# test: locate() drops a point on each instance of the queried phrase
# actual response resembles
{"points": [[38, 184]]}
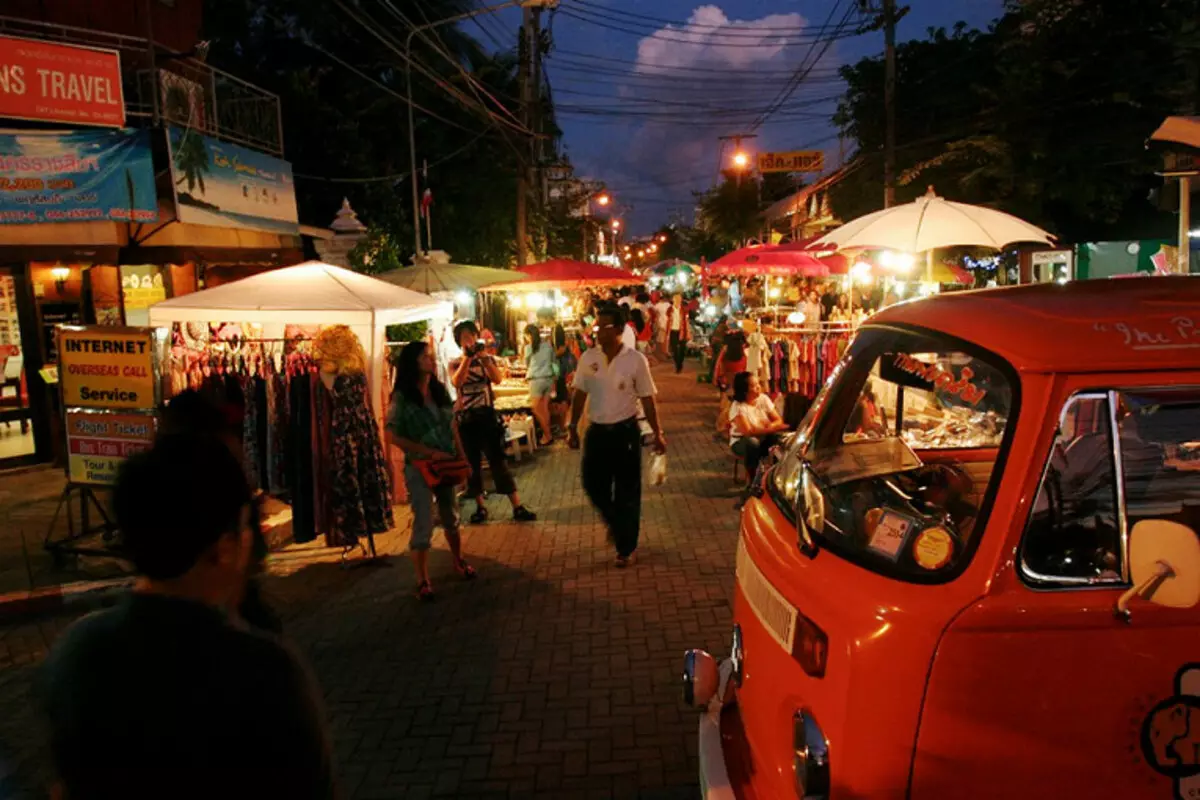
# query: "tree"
{"points": [[342, 89], [1045, 115]]}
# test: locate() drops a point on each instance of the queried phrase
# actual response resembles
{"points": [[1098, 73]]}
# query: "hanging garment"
{"points": [[322, 436], [793, 358], [300, 456], [361, 497], [263, 447], [250, 446]]}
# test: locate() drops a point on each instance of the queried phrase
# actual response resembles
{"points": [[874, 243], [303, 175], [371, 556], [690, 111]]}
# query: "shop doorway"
{"points": [[24, 433]]}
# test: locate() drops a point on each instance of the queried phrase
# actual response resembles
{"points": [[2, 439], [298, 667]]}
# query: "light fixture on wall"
{"points": [[60, 273]]}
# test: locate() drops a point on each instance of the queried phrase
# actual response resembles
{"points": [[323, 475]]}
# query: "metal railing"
{"points": [[178, 90]]}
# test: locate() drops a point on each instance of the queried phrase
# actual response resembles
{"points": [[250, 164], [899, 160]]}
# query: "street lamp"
{"points": [[616, 224], [603, 199], [412, 136], [740, 159]]}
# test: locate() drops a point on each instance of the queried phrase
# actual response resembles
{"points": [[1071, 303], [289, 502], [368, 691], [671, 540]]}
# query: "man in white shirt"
{"points": [[611, 378]]}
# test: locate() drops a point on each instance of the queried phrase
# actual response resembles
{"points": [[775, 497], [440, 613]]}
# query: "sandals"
{"points": [[425, 591], [466, 570]]}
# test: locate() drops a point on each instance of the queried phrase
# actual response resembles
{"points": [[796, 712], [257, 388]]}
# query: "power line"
{"points": [[780, 40], [397, 177]]}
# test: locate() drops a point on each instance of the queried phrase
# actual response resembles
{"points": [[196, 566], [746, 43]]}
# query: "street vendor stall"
{"points": [[300, 353]]}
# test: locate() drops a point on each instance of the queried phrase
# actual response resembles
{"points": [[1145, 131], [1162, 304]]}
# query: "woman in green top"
{"points": [[421, 423], [539, 359]]}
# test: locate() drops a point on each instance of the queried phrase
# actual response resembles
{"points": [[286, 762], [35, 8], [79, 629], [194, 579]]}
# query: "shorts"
{"points": [[540, 387], [423, 500]]}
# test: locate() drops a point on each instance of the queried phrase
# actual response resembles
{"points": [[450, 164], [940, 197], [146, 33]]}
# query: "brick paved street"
{"points": [[555, 674]]}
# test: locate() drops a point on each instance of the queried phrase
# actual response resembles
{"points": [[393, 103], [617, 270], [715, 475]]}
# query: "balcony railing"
{"points": [[181, 91]]}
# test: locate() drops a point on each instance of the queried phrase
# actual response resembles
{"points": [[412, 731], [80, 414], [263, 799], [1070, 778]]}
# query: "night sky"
{"points": [[642, 102]]}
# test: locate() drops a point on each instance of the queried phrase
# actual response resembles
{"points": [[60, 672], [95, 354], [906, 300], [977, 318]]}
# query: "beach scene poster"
{"points": [[225, 185]]}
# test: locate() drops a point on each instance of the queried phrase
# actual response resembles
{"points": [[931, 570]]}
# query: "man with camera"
{"points": [[479, 426]]}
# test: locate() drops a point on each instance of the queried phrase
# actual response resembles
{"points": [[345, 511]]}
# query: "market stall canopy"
{"points": [[932, 222], [430, 278], [311, 293], [567, 274], [772, 259]]}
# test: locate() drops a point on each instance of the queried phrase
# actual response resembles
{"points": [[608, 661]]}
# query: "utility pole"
{"points": [[889, 103], [525, 51]]}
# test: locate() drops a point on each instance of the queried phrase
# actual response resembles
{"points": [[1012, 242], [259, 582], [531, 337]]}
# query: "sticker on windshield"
{"points": [[890, 534], [942, 378], [933, 548]]}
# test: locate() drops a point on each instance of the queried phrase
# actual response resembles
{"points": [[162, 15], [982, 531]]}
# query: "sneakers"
{"points": [[520, 514], [624, 561]]}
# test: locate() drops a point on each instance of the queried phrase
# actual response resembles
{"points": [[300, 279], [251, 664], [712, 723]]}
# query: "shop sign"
{"points": [[51, 82], [104, 368], [76, 176], [792, 161], [98, 442], [227, 186]]}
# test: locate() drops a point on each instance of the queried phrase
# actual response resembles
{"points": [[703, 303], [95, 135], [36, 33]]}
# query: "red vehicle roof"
{"points": [[1085, 326]]}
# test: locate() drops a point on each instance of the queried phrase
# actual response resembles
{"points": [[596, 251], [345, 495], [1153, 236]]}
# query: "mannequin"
{"points": [[360, 491]]}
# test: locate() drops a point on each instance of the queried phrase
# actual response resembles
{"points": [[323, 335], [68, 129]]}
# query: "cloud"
{"points": [[690, 84], [711, 39]]}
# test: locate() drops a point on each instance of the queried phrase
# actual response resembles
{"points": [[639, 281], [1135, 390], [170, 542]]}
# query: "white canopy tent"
{"points": [[311, 293]]}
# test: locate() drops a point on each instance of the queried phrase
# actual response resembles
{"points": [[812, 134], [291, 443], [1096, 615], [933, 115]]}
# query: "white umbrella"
{"points": [[931, 222]]}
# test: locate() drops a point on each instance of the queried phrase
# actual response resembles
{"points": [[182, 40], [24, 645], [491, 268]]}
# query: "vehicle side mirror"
{"points": [[1164, 564]]}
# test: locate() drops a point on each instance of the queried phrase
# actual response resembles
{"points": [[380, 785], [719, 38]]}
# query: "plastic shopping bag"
{"points": [[658, 469]]}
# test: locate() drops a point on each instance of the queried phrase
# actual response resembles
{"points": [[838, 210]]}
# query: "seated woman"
{"points": [[754, 424]]}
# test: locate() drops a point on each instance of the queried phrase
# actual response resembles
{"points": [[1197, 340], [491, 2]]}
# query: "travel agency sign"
{"points": [[51, 82]]}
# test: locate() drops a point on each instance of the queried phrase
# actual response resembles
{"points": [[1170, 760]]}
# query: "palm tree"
{"points": [[191, 160]]}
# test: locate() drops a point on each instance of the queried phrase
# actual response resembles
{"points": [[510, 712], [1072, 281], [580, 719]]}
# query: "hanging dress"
{"points": [[360, 496]]}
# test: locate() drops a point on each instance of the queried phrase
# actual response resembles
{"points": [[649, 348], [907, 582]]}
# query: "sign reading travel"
{"points": [[99, 442], [217, 183], [50, 82], [78, 176], [107, 369], [792, 161]]}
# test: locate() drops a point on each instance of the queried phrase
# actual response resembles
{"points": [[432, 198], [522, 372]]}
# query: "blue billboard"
{"points": [[229, 186], [76, 176]]}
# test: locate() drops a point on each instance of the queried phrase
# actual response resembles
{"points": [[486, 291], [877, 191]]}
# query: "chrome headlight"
{"points": [[701, 678], [737, 655], [811, 759]]}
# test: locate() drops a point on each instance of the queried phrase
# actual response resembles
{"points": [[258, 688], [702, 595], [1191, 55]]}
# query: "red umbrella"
{"points": [[566, 273], [769, 259]]}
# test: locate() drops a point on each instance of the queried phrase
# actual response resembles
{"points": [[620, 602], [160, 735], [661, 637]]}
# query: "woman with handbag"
{"points": [[421, 423]]}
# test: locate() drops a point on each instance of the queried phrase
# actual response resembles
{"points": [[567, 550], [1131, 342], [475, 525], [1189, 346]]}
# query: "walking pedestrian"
{"points": [[677, 324], [167, 694], [482, 433], [540, 365], [421, 423], [612, 379]]}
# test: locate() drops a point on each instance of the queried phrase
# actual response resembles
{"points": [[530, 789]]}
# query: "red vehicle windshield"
{"points": [[896, 466]]}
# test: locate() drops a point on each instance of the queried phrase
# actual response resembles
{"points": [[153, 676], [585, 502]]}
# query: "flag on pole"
{"points": [[426, 202]]}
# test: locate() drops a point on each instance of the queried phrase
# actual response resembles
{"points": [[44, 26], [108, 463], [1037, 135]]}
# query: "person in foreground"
{"points": [[421, 423], [168, 694], [480, 429], [754, 424], [611, 379]]}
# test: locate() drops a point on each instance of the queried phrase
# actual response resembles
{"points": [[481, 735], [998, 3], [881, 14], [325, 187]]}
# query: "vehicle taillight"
{"points": [[811, 646]]}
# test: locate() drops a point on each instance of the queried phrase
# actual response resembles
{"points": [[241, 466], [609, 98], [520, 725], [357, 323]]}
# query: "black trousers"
{"points": [[678, 350], [612, 478], [483, 435], [753, 449]]}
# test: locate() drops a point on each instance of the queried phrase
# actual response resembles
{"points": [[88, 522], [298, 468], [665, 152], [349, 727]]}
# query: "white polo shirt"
{"points": [[613, 387]]}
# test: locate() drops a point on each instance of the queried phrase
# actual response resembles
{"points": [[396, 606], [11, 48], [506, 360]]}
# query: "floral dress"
{"points": [[361, 494]]}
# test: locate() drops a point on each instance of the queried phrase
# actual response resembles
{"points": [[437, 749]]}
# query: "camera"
{"points": [[476, 349]]}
